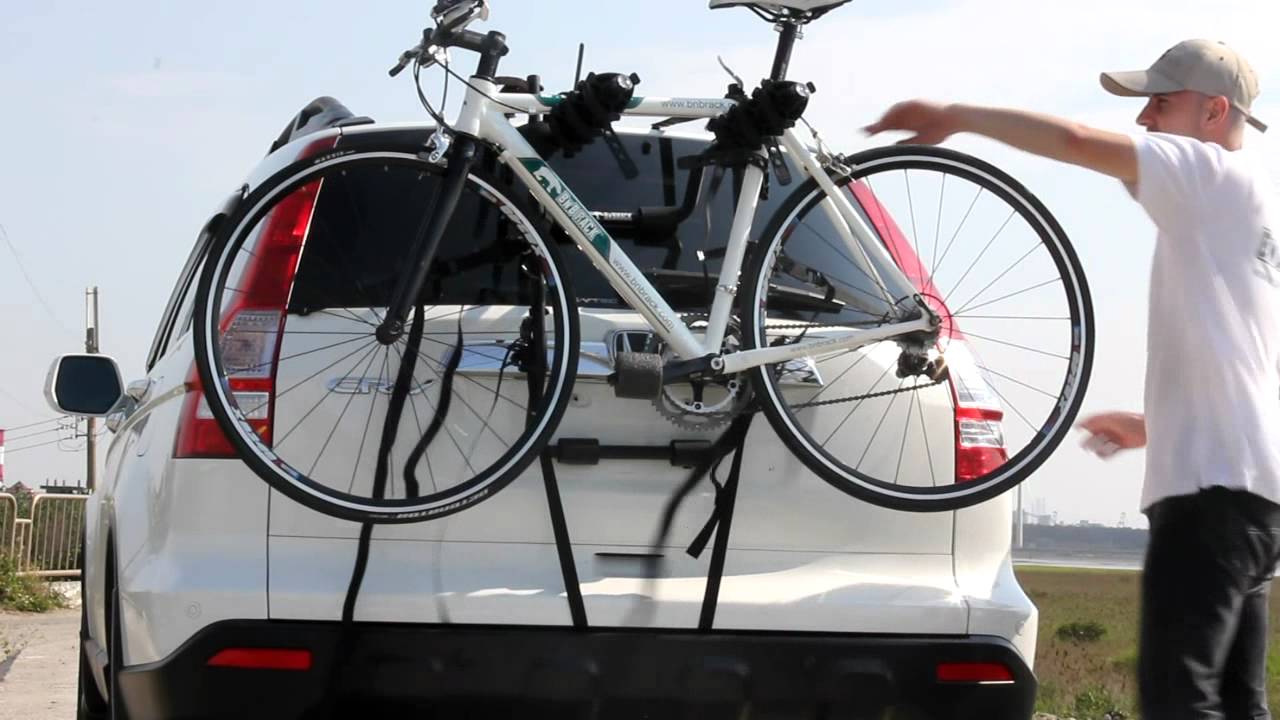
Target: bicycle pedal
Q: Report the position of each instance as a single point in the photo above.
(637, 375)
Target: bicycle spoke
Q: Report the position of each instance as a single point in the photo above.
(1011, 317)
(1015, 409)
(259, 366)
(924, 432)
(279, 395)
(1014, 294)
(440, 366)
(937, 228)
(973, 264)
(856, 405)
(313, 375)
(325, 396)
(883, 224)
(1007, 270)
(978, 359)
(484, 425)
(892, 399)
(417, 421)
(341, 415)
(903, 447)
(1016, 345)
(1051, 396)
(305, 332)
(856, 266)
(373, 403)
(938, 266)
(349, 316)
(448, 431)
(911, 206)
(836, 379)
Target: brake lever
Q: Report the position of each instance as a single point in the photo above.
(405, 58)
(432, 55)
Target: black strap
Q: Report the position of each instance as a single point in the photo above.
(437, 419)
(722, 518)
(560, 528)
(535, 364)
(704, 535)
(398, 395)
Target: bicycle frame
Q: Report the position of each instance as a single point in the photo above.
(481, 116)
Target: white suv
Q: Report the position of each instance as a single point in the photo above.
(209, 594)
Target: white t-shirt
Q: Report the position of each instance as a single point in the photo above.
(1213, 337)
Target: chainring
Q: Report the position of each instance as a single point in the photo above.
(702, 404)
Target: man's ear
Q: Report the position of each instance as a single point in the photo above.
(1217, 110)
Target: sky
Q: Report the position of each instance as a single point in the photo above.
(126, 123)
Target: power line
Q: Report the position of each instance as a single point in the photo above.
(22, 268)
(38, 432)
(34, 424)
(32, 447)
(20, 403)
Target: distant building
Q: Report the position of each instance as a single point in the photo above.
(1030, 518)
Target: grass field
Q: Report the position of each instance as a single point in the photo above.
(1087, 652)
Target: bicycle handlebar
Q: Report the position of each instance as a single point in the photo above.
(452, 17)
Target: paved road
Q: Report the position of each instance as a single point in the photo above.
(38, 665)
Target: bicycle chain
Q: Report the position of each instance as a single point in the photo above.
(882, 393)
(851, 398)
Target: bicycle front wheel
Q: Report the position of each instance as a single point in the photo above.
(293, 289)
(1017, 330)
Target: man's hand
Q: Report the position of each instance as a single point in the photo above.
(930, 122)
(1111, 432)
(1045, 135)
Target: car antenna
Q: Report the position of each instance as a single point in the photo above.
(577, 74)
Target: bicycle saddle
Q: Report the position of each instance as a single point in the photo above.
(805, 6)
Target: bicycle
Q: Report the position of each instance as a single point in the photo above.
(799, 328)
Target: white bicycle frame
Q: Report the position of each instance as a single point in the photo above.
(481, 116)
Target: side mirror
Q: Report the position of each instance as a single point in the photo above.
(84, 385)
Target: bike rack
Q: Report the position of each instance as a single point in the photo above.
(703, 457)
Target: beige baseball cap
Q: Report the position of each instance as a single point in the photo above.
(1205, 66)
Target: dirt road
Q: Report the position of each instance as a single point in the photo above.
(38, 665)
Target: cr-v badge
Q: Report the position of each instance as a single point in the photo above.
(367, 385)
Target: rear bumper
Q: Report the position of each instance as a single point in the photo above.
(486, 671)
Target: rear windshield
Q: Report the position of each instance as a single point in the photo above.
(366, 220)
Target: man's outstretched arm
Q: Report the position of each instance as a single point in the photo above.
(1052, 137)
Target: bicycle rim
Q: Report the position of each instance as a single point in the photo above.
(423, 427)
(1017, 332)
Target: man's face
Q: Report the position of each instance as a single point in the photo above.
(1178, 113)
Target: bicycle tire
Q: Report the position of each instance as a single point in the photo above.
(537, 419)
(843, 473)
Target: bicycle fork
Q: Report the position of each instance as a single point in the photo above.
(462, 156)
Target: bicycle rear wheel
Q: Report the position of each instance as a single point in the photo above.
(292, 291)
(1017, 332)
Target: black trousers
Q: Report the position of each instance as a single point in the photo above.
(1205, 582)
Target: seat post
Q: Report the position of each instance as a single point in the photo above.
(788, 30)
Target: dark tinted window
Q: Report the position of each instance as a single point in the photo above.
(365, 224)
(366, 221)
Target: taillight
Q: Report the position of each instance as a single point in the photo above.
(979, 418)
(262, 659)
(973, 672)
(252, 325)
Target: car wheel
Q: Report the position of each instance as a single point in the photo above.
(90, 705)
(114, 649)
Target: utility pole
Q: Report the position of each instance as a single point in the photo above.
(1017, 528)
(91, 347)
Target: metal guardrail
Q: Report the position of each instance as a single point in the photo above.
(47, 544)
(8, 520)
